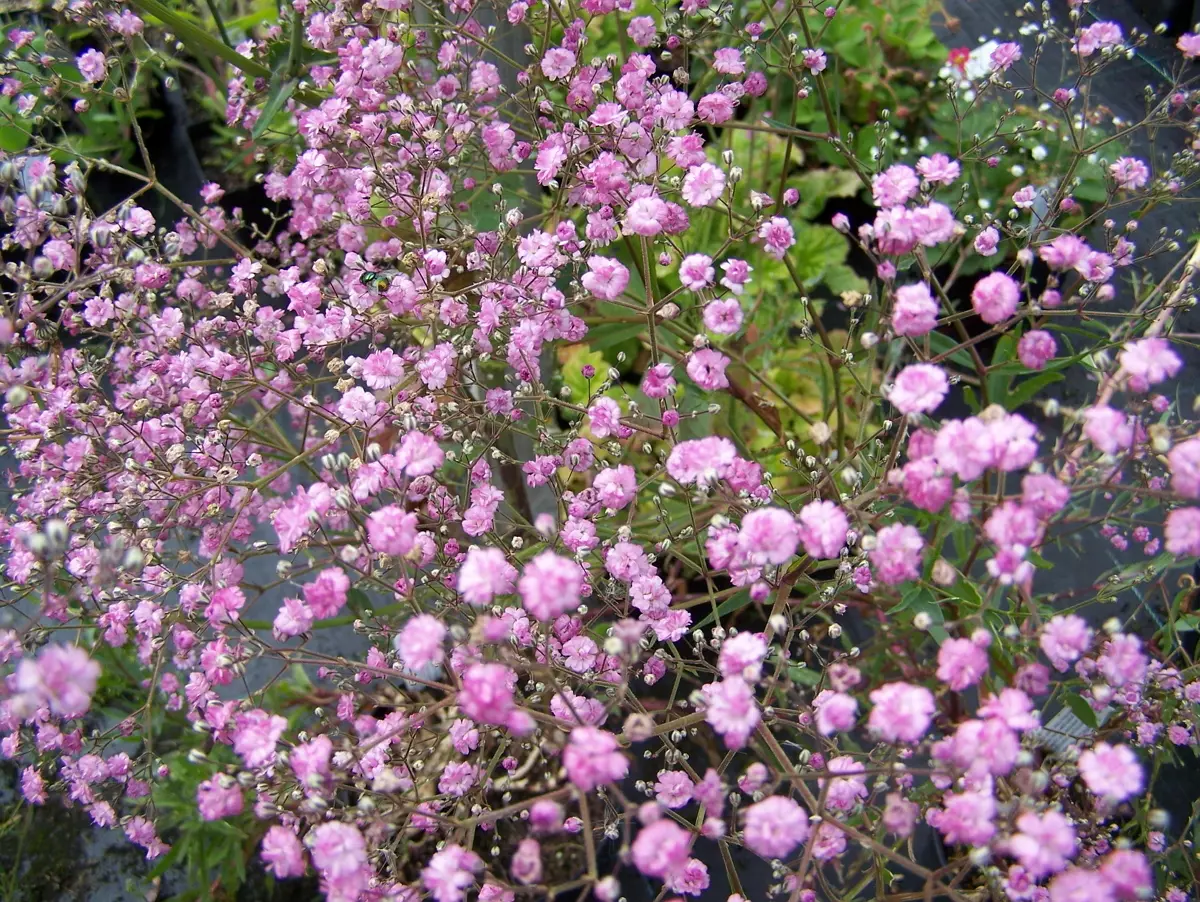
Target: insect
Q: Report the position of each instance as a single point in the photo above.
(378, 280)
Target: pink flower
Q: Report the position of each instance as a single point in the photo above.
(703, 184)
(661, 849)
(62, 676)
(1005, 55)
(823, 529)
(527, 862)
(774, 827)
(919, 388)
(939, 169)
(358, 406)
(1079, 885)
(731, 710)
(283, 853)
(815, 61)
(696, 272)
(966, 818)
(995, 297)
(485, 574)
(219, 797)
(1112, 772)
(383, 369)
(1036, 348)
(557, 63)
(645, 216)
(896, 556)
(642, 30)
(1065, 638)
(419, 643)
(1129, 873)
(836, 712)
(450, 873)
(1182, 531)
(1189, 45)
(768, 536)
(616, 487)
(701, 461)
(418, 454)
(900, 815)
(742, 656)
(487, 693)
(327, 594)
(550, 585)
(1095, 37)
(1108, 429)
(723, 316)
(1184, 464)
(255, 734)
(915, 311)
(1148, 362)
(961, 663)
(706, 368)
(728, 61)
(1044, 845)
(895, 186)
(1123, 663)
(392, 530)
(606, 278)
(593, 757)
(777, 236)
(1129, 173)
(902, 712)
(986, 242)
(604, 417)
(92, 66)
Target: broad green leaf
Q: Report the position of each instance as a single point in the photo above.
(1081, 709)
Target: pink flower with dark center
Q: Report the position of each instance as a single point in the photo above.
(706, 368)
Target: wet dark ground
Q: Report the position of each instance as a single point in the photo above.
(62, 858)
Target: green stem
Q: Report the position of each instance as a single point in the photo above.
(216, 14)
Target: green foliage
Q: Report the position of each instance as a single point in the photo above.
(211, 853)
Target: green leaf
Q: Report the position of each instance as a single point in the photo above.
(817, 186)
(998, 382)
(818, 247)
(281, 92)
(919, 600)
(1081, 709)
(1028, 389)
(358, 600)
(943, 344)
(728, 606)
(608, 335)
(804, 675)
(572, 373)
(840, 277)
